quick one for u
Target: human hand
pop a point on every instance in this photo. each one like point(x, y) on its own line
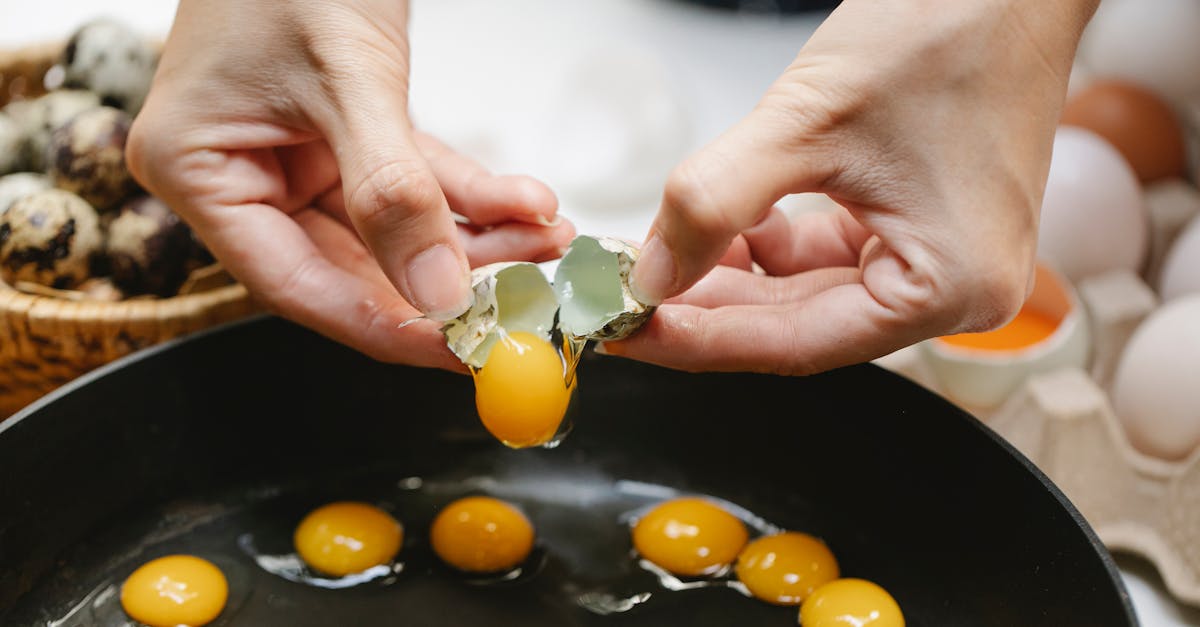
point(279, 131)
point(931, 124)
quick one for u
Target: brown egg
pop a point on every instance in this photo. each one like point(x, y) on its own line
point(1140, 124)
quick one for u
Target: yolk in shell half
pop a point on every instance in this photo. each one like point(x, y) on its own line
point(521, 392)
point(175, 590)
point(347, 537)
point(689, 536)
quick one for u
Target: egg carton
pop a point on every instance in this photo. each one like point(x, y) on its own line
point(1064, 422)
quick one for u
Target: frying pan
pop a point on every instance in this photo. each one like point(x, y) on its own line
point(197, 444)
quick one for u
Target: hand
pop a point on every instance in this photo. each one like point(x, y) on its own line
point(931, 124)
point(279, 131)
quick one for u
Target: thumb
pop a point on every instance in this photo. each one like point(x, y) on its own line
point(722, 190)
point(392, 197)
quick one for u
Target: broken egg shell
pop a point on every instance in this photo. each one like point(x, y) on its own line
point(509, 297)
point(592, 286)
point(590, 297)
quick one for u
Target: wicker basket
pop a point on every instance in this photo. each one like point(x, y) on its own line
point(46, 341)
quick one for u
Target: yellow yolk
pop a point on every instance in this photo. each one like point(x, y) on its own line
point(175, 590)
point(689, 536)
point(1028, 328)
point(785, 568)
point(481, 535)
point(850, 603)
point(521, 393)
point(342, 538)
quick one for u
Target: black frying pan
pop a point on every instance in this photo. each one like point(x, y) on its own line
point(235, 433)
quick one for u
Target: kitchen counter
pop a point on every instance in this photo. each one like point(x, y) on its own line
point(599, 99)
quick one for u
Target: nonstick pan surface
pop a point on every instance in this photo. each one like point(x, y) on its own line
point(218, 444)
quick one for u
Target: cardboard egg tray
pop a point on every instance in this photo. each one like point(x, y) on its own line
point(1064, 422)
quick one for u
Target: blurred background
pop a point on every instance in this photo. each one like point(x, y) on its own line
point(599, 99)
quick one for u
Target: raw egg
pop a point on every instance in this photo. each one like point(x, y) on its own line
point(347, 537)
point(1136, 121)
point(175, 590)
point(1181, 264)
point(850, 603)
point(521, 392)
point(1093, 216)
point(1155, 392)
point(689, 536)
point(785, 568)
point(1153, 42)
point(981, 370)
point(480, 534)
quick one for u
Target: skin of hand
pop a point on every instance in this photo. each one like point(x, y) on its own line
point(931, 124)
point(279, 131)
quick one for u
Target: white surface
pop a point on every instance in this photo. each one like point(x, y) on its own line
point(488, 77)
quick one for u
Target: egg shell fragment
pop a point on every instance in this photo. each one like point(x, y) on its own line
point(509, 297)
point(592, 285)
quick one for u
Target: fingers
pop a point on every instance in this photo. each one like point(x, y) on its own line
point(516, 241)
point(338, 300)
point(719, 192)
point(808, 241)
point(836, 327)
point(725, 286)
point(392, 197)
point(485, 198)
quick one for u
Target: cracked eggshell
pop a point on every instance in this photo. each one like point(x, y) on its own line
point(509, 296)
point(592, 286)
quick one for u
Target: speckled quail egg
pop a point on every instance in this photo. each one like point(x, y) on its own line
point(149, 248)
point(12, 145)
point(38, 117)
point(87, 156)
point(109, 58)
point(49, 237)
point(523, 380)
point(14, 186)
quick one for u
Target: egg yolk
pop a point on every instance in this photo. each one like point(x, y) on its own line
point(786, 567)
point(175, 590)
point(521, 392)
point(850, 603)
point(1026, 329)
point(480, 534)
point(342, 538)
point(689, 536)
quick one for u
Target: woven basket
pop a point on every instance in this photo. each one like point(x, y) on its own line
point(46, 341)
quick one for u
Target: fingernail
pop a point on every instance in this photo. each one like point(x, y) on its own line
point(544, 221)
point(653, 274)
point(438, 285)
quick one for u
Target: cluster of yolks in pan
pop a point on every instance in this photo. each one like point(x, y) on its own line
point(695, 537)
point(479, 534)
point(175, 590)
point(1028, 328)
point(522, 391)
point(347, 537)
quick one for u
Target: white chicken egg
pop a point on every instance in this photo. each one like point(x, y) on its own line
point(1181, 267)
point(1153, 42)
point(1093, 216)
point(1155, 391)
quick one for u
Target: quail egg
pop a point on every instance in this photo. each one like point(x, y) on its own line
point(49, 237)
point(38, 117)
point(523, 380)
point(109, 58)
point(12, 145)
point(14, 186)
point(87, 156)
point(149, 248)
